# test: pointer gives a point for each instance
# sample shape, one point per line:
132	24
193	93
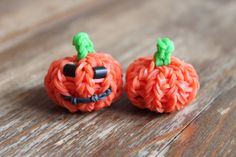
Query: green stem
165	47
83	45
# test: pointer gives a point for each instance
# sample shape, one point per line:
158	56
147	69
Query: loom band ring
92	99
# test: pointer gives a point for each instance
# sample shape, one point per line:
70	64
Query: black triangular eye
69	70
99	72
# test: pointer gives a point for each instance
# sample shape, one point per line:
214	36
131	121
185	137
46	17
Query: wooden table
34	33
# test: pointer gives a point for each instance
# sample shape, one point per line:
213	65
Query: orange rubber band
161	88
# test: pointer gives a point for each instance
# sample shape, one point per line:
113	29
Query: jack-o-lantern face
89	83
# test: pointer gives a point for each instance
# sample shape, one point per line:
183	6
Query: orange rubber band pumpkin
87	81
161	83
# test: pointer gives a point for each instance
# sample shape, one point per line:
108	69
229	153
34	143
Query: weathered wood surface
33	33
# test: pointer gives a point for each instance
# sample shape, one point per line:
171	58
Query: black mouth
92	99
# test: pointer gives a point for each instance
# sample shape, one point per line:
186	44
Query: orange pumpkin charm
87	81
161	83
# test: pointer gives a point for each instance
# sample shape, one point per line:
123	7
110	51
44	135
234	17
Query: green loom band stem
165	47
83	45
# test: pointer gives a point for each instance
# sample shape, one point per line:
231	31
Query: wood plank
212	134
31	124
21	19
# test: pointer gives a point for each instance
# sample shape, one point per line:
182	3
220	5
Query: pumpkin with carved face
87	81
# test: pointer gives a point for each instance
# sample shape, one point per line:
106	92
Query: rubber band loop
165	47
83	45
92	99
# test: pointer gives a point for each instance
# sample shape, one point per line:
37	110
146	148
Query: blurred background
127	29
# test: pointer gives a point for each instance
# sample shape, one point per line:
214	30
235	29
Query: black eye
69	70
99	72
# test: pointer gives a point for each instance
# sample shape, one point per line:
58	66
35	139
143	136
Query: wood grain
31	125
216	139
